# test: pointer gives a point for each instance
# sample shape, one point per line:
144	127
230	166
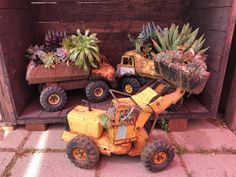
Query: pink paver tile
220	165
159	134
5	158
48	165
120	166
12	139
203	134
50	138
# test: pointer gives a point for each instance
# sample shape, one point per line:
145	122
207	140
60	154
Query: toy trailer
53	83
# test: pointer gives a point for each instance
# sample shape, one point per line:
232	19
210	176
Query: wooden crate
25	22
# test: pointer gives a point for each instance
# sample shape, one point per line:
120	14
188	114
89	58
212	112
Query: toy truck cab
134	71
122	116
126	67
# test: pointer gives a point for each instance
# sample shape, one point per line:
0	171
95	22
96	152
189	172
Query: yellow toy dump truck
134	71
122	129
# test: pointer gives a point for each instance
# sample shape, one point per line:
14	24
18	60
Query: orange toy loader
122	129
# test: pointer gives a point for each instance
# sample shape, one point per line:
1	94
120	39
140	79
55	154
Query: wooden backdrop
26	21
217	20
112	19
16	34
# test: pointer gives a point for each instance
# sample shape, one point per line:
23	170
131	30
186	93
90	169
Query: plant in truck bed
83	49
179	49
50	53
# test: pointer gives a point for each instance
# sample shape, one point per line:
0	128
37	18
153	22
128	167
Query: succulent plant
174	39
48	60
83	49
34	53
53	40
60	55
143	41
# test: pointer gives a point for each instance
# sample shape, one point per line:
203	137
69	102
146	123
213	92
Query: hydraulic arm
158	105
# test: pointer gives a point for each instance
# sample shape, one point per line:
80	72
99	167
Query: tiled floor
209	150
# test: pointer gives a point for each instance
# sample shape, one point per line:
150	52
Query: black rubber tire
91	88
149	151
60	92
88	146
131	81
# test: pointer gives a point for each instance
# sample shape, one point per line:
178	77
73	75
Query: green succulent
83	49
175	39
144	37
48	60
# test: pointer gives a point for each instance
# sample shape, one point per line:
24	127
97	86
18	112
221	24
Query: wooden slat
212	81
7	105
225	56
32	111
207	98
101	27
96	1
215	18
45	115
230	115
214	40
210	3
21	92
13	23
73	12
194	106
213	61
7	4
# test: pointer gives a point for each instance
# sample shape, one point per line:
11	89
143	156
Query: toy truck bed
39	74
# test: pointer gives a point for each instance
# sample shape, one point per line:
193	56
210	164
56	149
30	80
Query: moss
180	149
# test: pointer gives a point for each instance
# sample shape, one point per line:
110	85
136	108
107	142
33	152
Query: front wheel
53	98
97	91
157	155
82	152
130	85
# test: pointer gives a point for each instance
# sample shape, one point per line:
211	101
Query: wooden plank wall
213	18
228	77
15	36
112	19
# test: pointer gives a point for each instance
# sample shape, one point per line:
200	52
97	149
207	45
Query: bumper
68	136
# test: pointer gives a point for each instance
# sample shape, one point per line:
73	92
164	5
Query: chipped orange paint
114	139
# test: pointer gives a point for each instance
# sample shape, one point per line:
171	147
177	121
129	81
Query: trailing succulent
83	49
143	41
177	48
50	53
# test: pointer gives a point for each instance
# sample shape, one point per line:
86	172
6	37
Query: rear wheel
157	155
82	152
97	91
53	98
130	85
